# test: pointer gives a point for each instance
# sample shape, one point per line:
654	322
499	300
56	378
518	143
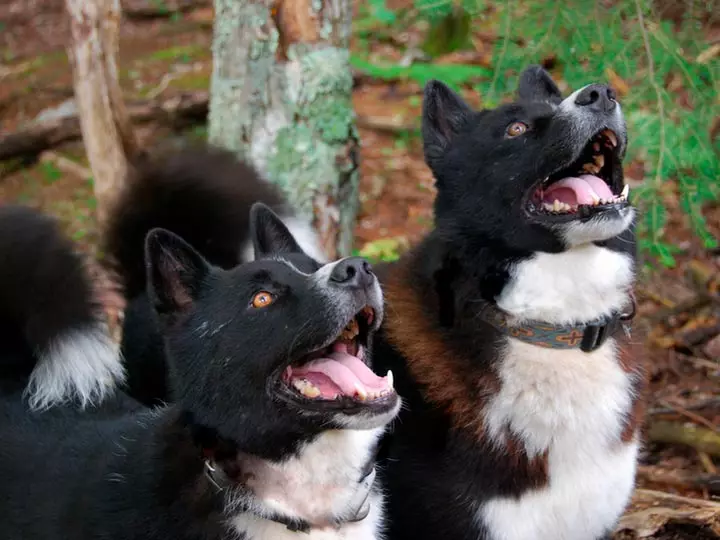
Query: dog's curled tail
201	193
52	332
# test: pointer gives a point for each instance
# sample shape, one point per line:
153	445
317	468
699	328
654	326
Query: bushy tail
52	331
202	194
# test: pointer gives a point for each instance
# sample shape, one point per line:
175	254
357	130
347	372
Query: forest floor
679	308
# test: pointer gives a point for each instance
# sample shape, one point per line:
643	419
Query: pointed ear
175	271
536	84
444	115
269	234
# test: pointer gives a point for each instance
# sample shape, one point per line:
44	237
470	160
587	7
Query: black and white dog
275	417
505	326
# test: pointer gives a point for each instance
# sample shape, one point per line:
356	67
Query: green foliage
668	90
449	33
50	172
384	249
455	75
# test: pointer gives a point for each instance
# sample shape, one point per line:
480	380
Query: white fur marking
575	286
572	405
316	485
83	365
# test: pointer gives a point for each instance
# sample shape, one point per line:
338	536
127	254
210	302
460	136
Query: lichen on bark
281	96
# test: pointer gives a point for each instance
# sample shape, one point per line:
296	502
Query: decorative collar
360	502
587	337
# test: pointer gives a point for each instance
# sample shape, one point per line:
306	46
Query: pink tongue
580	189
347	372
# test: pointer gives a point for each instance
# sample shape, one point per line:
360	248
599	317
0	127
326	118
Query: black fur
44	290
202	193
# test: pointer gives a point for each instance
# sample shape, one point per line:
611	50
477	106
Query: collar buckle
595	335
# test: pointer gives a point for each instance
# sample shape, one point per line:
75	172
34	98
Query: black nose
597	98
352	272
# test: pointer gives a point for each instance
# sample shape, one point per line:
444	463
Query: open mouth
337	374
591	185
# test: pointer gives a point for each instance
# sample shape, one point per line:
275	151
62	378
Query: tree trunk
281	94
106	129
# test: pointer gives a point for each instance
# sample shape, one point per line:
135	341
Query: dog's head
273	350
540	174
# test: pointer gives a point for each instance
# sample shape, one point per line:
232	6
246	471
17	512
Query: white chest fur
317	484
571	405
566	403
575	286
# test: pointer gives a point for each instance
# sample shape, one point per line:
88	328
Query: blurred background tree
280	95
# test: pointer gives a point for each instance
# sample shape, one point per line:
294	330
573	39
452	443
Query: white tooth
361	392
625	191
311	391
610	135
390	379
595	197
548	207
556	206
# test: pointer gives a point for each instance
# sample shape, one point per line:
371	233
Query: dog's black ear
175	271
444	115
269	234
536	84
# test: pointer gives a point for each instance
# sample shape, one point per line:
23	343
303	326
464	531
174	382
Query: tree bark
106	129
281	96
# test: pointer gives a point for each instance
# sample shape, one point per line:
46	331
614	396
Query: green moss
323	99
301	167
191	81
181	53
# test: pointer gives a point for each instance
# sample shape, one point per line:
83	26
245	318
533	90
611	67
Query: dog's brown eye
262	299
515	129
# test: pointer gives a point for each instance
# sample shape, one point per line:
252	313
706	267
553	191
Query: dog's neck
576	286
580	285
327	482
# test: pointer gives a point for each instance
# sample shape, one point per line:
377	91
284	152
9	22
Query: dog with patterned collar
508	326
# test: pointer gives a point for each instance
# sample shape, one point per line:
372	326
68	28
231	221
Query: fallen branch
176	112
702	439
389	124
651	511
707	403
679	478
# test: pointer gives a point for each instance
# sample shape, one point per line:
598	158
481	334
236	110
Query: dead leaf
708	54
617	82
650	511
